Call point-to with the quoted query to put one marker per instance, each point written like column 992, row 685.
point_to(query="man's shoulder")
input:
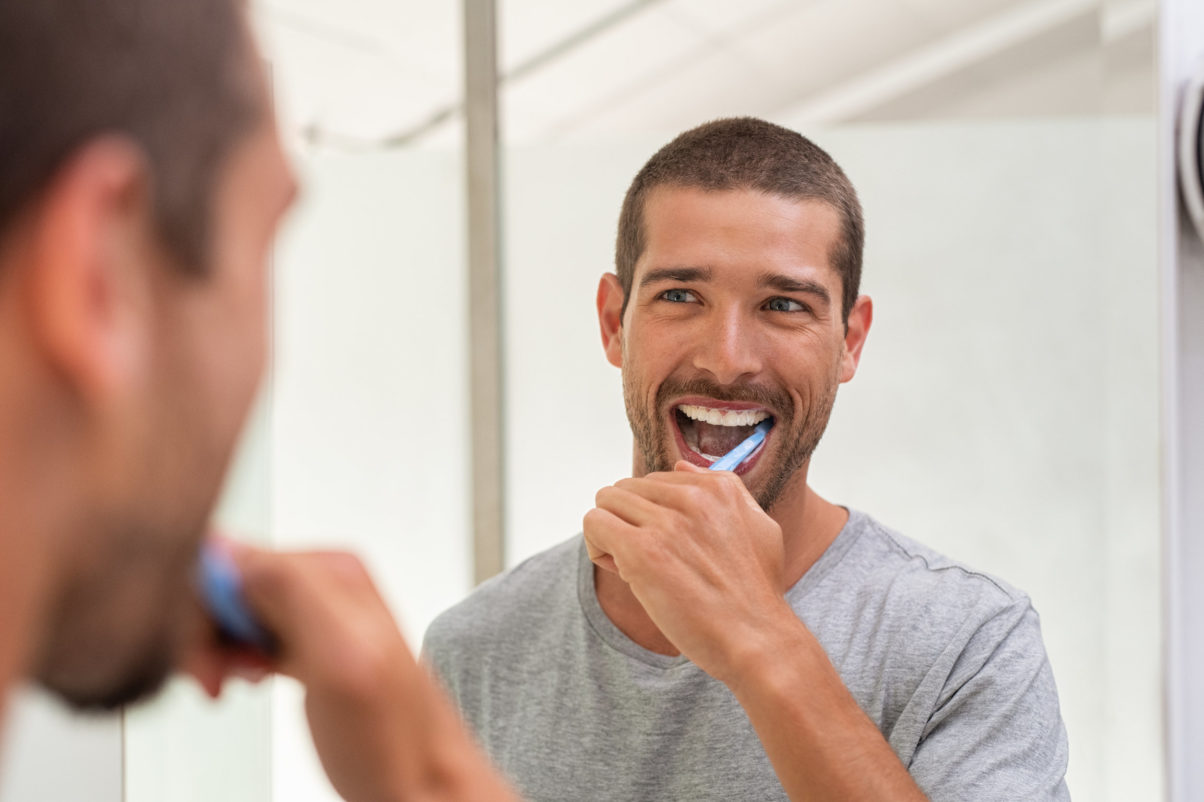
column 968, row 679
column 893, row 605
column 912, row 567
column 510, row 601
column 919, row 598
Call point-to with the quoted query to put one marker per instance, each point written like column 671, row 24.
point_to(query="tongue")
column 718, row 440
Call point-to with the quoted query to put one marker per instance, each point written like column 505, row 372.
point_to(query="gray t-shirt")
column 948, row 662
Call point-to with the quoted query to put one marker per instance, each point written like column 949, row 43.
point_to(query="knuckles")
column 591, row 519
column 693, row 496
column 267, row 575
column 602, row 495
column 731, row 485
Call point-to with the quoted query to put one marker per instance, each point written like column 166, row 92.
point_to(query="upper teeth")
column 724, row 417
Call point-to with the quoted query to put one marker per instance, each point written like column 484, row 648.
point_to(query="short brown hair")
column 176, row 77
column 746, row 153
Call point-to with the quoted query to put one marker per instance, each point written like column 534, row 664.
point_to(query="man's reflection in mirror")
column 719, row 635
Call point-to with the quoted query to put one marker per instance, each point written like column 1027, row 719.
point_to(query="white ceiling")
column 364, row 71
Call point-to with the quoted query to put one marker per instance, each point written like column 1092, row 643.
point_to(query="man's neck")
column 809, row 525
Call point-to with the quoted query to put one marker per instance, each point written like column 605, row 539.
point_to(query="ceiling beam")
column 956, row 52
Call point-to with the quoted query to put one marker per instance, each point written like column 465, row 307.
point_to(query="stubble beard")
column 119, row 622
column 796, row 436
column 109, row 646
column 143, row 679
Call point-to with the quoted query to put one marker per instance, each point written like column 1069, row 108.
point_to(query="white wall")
column 53, row 755
column 1006, row 408
column 369, row 446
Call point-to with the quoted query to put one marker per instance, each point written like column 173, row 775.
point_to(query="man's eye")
column 678, row 296
column 784, row 305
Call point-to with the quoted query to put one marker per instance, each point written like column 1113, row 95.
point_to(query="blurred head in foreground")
column 141, row 183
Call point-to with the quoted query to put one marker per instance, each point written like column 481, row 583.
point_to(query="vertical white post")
column 1181, row 44
column 484, row 285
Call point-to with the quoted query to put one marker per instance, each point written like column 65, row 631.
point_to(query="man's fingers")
column 607, row 563
column 651, row 487
column 205, row 666
column 683, row 490
column 308, row 601
column 605, row 537
column 687, row 475
column 211, row 662
column 636, row 504
column 596, row 555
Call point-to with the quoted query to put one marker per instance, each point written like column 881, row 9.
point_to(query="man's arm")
column 705, row 562
column 996, row 731
column 820, row 742
column 383, row 729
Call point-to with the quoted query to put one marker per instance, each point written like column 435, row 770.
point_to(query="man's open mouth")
column 711, row 432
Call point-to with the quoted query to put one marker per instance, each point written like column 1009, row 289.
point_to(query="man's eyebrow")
column 684, row 275
column 781, row 283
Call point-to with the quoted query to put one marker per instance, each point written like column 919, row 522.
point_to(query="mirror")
column 1006, row 409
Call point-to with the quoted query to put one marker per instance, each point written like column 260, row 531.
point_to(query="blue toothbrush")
column 220, row 585
column 732, row 459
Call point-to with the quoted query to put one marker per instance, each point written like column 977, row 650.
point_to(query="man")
column 718, row 635
column 141, row 182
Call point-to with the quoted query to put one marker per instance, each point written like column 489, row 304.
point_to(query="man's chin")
column 137, row 684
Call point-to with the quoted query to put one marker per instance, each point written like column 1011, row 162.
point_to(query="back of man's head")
column 746, row 153
column 174, row 78
column 137, row 153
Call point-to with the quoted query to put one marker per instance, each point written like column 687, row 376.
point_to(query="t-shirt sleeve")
column 438, row 654
column 997, row 731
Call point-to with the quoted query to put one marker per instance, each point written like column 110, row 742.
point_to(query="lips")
column 705, row 429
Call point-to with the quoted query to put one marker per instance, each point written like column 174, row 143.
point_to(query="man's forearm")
column 381, row 725
column 455, row 770
column 820, row 742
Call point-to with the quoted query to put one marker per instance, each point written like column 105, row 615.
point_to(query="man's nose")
column 729, row 348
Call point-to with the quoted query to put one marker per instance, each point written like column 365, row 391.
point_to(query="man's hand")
column 700, row 555
column 382, row 728
column 706, row 564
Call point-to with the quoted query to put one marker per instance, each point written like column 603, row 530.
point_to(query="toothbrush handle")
column 732, row 459
column 220, row 587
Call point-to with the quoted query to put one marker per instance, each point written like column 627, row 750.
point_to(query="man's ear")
column 860, row 318
column 88, row 289
column 610, row 317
